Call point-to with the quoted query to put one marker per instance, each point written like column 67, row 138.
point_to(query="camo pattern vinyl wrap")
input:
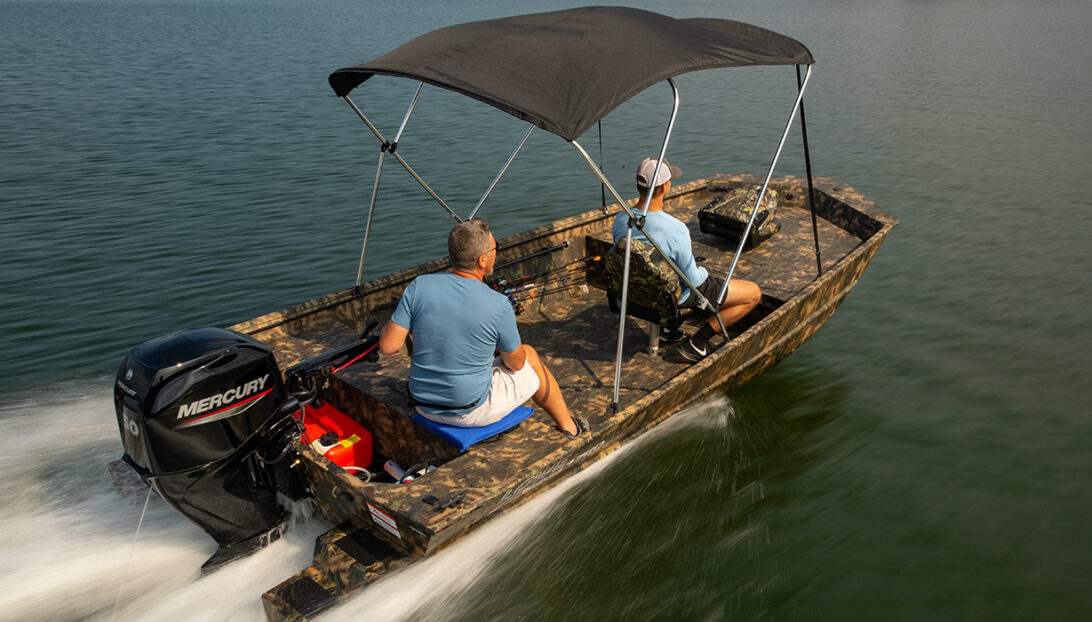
column 652, row 282
column 576, row 335
column 739, row 203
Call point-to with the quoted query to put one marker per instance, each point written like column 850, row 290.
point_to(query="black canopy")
column 565, row 70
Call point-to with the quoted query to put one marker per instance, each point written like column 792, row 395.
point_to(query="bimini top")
column 565, row 70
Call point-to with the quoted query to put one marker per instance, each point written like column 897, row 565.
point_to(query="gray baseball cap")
column 645, row 170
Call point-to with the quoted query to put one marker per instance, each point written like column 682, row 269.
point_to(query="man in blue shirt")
column 674, row 238
column 459, row 325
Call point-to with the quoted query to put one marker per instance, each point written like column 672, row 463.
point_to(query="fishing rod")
column 556, row 286
column 540, row 252
column 499, row 283
column 509, row 286
column 517, row 301
column 553, row 279
column 556, row 290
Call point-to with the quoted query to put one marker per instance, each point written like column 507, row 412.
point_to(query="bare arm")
column 392, row 338
column 514, row 360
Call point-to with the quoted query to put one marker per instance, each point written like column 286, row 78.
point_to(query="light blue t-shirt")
column 456, row 324
column 672, row 236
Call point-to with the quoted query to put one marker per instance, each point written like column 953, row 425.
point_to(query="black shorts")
column 710, row 288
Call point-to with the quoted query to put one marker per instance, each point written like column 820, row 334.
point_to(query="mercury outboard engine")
column 204, row 417
column 206, row 421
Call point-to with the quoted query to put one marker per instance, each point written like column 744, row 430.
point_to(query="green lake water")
column 166, row 164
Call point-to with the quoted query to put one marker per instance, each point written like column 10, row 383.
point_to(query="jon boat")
column 561, row 72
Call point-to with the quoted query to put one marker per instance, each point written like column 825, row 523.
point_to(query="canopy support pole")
column 634, row 220
column 378, row 175
column 644, row 213
column 501, row 172
column 629, row 247
column 401, row 160
column 811, row 187
column 762, row 194
column 603, row 166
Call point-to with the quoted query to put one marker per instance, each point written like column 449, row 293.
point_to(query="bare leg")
column 548, row 395
column 741, row 298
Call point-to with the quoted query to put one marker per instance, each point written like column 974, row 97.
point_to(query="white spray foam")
column 66, row 539
column 66, row 555
column 443, row 578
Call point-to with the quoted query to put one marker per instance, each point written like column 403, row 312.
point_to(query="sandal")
column 581, row 427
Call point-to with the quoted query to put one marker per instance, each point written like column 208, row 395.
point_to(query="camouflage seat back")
column 738, row 204
column 652, row 282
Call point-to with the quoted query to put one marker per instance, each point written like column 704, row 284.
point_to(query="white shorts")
column 508, row 390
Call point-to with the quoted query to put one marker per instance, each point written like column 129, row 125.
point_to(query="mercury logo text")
column 227, row 398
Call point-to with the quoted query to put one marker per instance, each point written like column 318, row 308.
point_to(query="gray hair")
column 468, row 241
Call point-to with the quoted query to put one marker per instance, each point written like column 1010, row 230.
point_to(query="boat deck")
column 576, row 333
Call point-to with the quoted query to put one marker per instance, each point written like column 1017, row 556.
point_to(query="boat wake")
column 67, row 535
column 428, row 589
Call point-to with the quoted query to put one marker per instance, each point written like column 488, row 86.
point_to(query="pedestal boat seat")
column 654, row 288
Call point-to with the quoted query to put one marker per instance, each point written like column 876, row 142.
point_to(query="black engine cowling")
column 200, row 413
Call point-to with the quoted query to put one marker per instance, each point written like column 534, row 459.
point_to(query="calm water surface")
column 168, row 164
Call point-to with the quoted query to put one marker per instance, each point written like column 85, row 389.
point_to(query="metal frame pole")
column 629, row 246
column 378, row 175
column 703, row 302
column 762, row 194
column 622, row 320
column 648, row 200
column 602, row 165
column 629, row 239
column 401, row 160
column 663, row 147
column 500, row 173
column 811, row 186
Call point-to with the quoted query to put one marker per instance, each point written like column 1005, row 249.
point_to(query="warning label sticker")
column 384, row 520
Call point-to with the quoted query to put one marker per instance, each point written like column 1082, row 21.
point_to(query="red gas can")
column 336, row 435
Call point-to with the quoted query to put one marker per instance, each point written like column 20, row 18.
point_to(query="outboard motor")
column 204, row 417
column 207, row 422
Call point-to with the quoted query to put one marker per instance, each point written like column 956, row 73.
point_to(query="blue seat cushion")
column 463, row 438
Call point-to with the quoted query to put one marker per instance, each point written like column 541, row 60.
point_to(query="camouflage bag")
column 728, row 214
column 652, row 282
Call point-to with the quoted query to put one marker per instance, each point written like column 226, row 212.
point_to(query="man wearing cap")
column 674, row 238
column 459, row 324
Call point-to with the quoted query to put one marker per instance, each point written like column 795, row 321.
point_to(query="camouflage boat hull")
column 382, row 525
